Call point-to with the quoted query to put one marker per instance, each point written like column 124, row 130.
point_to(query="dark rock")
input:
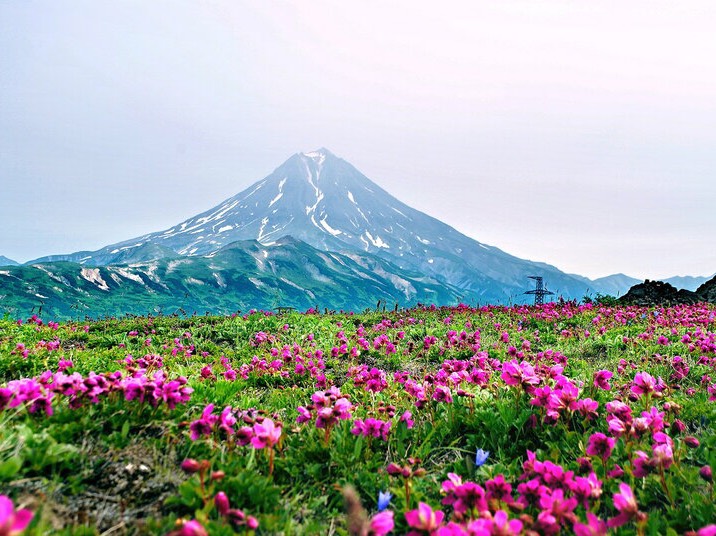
column 651, row 293
column 707, row 291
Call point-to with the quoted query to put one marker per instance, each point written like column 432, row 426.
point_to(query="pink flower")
column 382, row 523
column 266, row 434
column 625, row 502
column 191, row 528
column 407, row 418
column 12, row 522
column 205, row 425
column 499, row 524
column 557, row 506
column 644, row 383
column 594, row 527
column 424, row 519
column 498, row 488
column 600, row 445
column 601, row 379
column 442, row 394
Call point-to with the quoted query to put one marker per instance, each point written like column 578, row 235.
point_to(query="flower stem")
column 665, row 487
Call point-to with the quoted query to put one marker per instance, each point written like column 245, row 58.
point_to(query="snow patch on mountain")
column 324, row 224
column 377, row 241
column 124, row 272
column 93, row 276
column 257, row 282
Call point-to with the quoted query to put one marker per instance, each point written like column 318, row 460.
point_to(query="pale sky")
column 578, row 133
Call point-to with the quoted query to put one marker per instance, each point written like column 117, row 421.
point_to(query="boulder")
column 650, row 293
column 707, row 291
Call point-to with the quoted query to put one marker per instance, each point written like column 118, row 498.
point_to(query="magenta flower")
column 625, row 502
column 514, row 374
column 504, row 526
column 558, row 507
column 304, row 415
column 407, row 418
column 601, row 379
column 498, row 488
column 266, row 434
column 372, row 428
column 442, row 394
column 382, row 523
column 662, row 455
column 642, row 464
column 12, row 522
column 644, row 384
column 424, row 519
column 600, row 445
column 587, row 408
column 204, row 425
column 190, row 528
column 586, row 489
column 593, row 527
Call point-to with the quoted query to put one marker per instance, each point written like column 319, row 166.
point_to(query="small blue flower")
column 384, row 500
column 481, row 457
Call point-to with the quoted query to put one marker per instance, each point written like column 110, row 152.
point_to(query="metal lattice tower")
column 540, row 291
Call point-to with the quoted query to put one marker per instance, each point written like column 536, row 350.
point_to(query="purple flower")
column 481, row 457
column 384, row 500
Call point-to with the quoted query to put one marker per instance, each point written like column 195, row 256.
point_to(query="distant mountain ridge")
column 240, row 276
column 338, row 225
column 324, row 201
column 4, row 261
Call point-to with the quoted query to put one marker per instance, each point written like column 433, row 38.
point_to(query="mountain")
column 4, row 261
column 614, row 285
column 688, row 282
column 324, row 201
column 240, row 276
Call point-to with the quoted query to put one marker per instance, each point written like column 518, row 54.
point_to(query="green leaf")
column 10, row 467
column 125, row 430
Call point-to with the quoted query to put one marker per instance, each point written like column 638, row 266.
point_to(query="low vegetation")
column 555, row 419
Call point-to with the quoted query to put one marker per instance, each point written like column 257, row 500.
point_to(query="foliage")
column 553, row 419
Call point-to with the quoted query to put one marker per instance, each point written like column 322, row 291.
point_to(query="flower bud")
column 190, row 466
column 221, row 501
column 217, row 475
column 691, row 442
column 393, row 469
column 706, row 474
column 678, row 426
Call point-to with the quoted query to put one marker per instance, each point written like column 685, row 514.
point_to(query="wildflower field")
column 557, row 419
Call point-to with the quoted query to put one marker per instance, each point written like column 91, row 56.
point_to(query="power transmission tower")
column 540, row 291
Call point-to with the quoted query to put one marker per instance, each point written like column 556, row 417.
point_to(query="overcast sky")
column 578, row 133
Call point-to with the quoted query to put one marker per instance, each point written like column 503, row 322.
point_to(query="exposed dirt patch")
column 125, row 488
